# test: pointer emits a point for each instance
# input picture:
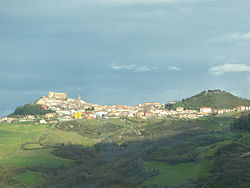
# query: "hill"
(31, 109)
(212, 98)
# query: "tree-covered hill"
(31, 109)
(212, 98)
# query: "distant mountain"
(212, 98)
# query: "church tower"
(79, 98)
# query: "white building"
(206, 110)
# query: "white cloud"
(221, 69)
(220, 58)
(122, 67)
(223, 59)
(133, 67)
(239, 36)
(235, 37)
(174, 68)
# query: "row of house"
(67, 109)
(224, 110)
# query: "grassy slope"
(172, 175)
(31, 158)
(13, 136)
(30, 178)
(12, 154)
(11, 139)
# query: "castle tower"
(62, 96)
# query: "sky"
(122, 51)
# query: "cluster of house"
(67, 109)
(209, 110)
(27, 118)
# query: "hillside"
(125, 154)
(212, 98)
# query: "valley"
(124, 153)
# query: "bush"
(242, 124)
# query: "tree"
(31, 109)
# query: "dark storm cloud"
(124, 51)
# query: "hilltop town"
(65, 108)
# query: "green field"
(42, 157)
(172, 175)
(12, 136)
(30, 178)
(23, 146)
